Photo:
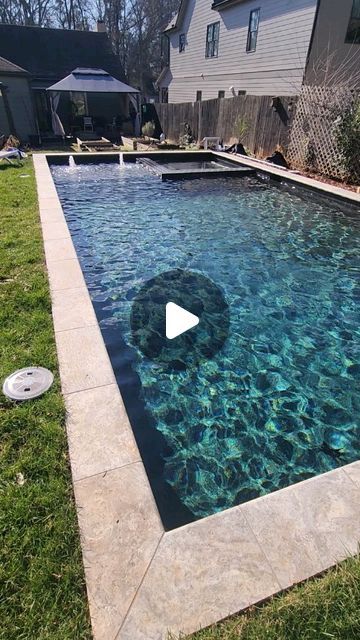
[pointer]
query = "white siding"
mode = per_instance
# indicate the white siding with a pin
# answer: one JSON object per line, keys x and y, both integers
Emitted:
{"x": 276, "y": 67}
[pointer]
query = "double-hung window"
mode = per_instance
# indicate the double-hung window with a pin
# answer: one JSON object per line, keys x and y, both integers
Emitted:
{"x": 353, "y": 30}
{"x": 212, "y": 40}
{"x": 253, "y": 30}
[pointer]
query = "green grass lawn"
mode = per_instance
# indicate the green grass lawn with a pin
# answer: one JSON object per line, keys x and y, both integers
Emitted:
{"x": 42, "y": 591}
{"x": 324, "y": 608}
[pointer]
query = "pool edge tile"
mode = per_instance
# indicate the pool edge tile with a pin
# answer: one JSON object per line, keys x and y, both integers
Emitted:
{"x": 55, "y": 230}
{"x": 202, "y": 572}
{"x": 118, "y": 541}
{"x": 72, "y": 309}
{"x": 353, "y": 472}
{"x": 59, "y": 249}
{"x": 65, "y": 274}
{"x": 83, "y": 359}
{"x": 109, "y": 443}
{"x": 307, "y": 527}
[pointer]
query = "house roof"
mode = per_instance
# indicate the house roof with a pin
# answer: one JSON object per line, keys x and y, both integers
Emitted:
{"x": 91, "y": 81}
{"x": 9, "y": 68}
{"x": 176, "y": 20}
{"x": 173, "y": 22}
{"x": 161, "y": 77}
{"x": 177, "y": 17}
{"x": 53, "y": 53}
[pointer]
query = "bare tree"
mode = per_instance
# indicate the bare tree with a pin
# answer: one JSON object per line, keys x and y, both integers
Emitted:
{"x": 10, "y": 12}
{"x": 72, "y": 14}
{"x": 134, "y": 27}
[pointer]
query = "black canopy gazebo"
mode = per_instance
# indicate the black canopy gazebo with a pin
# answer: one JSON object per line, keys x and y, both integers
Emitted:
{"x": 91, "y": 83}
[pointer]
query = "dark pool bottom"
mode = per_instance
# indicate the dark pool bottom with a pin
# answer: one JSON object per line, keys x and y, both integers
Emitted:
{"x": 280, "y": 402}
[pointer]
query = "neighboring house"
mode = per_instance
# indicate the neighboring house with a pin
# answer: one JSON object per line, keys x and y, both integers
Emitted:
{"x": 34, "y": 58}
{"x": 334, "y": 55}
{"x": 223, "y": 48}
{"x": 16, "y": 108}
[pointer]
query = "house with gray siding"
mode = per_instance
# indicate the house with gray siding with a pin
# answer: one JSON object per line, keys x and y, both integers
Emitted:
{"x": 223, "y": 48}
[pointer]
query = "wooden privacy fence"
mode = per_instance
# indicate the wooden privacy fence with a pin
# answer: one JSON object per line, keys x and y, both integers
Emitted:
{"x": 263, "y": 126}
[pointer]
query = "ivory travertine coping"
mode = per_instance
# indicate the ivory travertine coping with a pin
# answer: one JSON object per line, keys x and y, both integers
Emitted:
{"x": 51, "y": 216}
{"x": 120, "y": 532}
{"x": 141, "y": 581}
{"x": 55, "y": 230}
{"x": 109, "y": 443}
{"x": 353, "y": 471}
{"x": 307, "y": 526}
{"x": 60, "y": 249}
{"x": 65, "y": 274}
{"x": 205, "y": 571}
{"x": 72, "y": 309}
{"x": 83, "y": 359}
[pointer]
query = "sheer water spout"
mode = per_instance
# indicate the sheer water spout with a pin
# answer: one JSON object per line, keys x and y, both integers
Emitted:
{"x": 72, "y": 163}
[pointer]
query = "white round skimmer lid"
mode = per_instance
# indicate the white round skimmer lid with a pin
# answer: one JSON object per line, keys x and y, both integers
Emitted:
{"x": 28, "y": 383}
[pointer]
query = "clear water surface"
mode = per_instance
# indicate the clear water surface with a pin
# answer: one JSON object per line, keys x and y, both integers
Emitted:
{"x": 281, "y": 401}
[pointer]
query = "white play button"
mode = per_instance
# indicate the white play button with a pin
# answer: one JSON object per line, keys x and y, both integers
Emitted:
{"x": 178, "y": 320}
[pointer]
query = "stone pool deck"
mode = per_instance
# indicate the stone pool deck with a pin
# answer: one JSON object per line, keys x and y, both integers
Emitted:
{"x": 142, "y": 581}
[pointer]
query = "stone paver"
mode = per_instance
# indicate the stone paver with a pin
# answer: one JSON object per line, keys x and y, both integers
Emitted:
{"x": 62, "y": 249}
{"x": 201, "y": 573}
{"x": 308, "y": 527}
{"x": 47, "y": 202}
{"x": 72, "y": 309}
{"x": 83, "y": 359}
{"x": 353, "y": 472}
{"x": 55, "y": 230}
{"x": 120, "y": 531}
{"x": 65, "y": 274}
{"x": 55, "y": 214}
{"x": 99, "y": 433}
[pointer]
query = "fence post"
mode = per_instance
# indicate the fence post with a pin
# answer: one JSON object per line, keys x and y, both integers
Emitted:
{"x": 199, "y": 104}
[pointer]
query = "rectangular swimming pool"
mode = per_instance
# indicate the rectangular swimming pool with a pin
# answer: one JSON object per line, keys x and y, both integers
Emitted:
{"x": 280, "y": 402}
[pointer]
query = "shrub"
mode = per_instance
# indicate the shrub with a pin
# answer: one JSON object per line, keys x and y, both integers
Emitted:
{"x": 148, "y": 129}
{"x": 240, "y": 127}
{"x": 348, "y": 140}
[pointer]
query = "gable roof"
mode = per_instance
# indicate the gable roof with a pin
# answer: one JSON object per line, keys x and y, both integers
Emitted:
{"x": 9, "y": 68}
{"x": 176, "y": 20}
{"x": 54, "y": 53}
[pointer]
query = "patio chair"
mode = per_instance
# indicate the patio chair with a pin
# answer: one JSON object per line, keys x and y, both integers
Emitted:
{"x": 8, "y": 154}
{"x": 88, "y": 124}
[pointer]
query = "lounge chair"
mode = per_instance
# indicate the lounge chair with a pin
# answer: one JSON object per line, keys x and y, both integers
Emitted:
{"x": 7, "y": 154}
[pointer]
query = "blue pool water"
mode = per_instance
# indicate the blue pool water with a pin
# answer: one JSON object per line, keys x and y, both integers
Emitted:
{"x": 281, "y": 401}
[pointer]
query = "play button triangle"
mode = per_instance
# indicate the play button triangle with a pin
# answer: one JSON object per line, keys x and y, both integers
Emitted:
{"x": 178, "y": 320}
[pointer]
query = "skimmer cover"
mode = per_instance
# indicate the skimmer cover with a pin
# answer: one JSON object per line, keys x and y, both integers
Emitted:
{"x": 28, "y": 383}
